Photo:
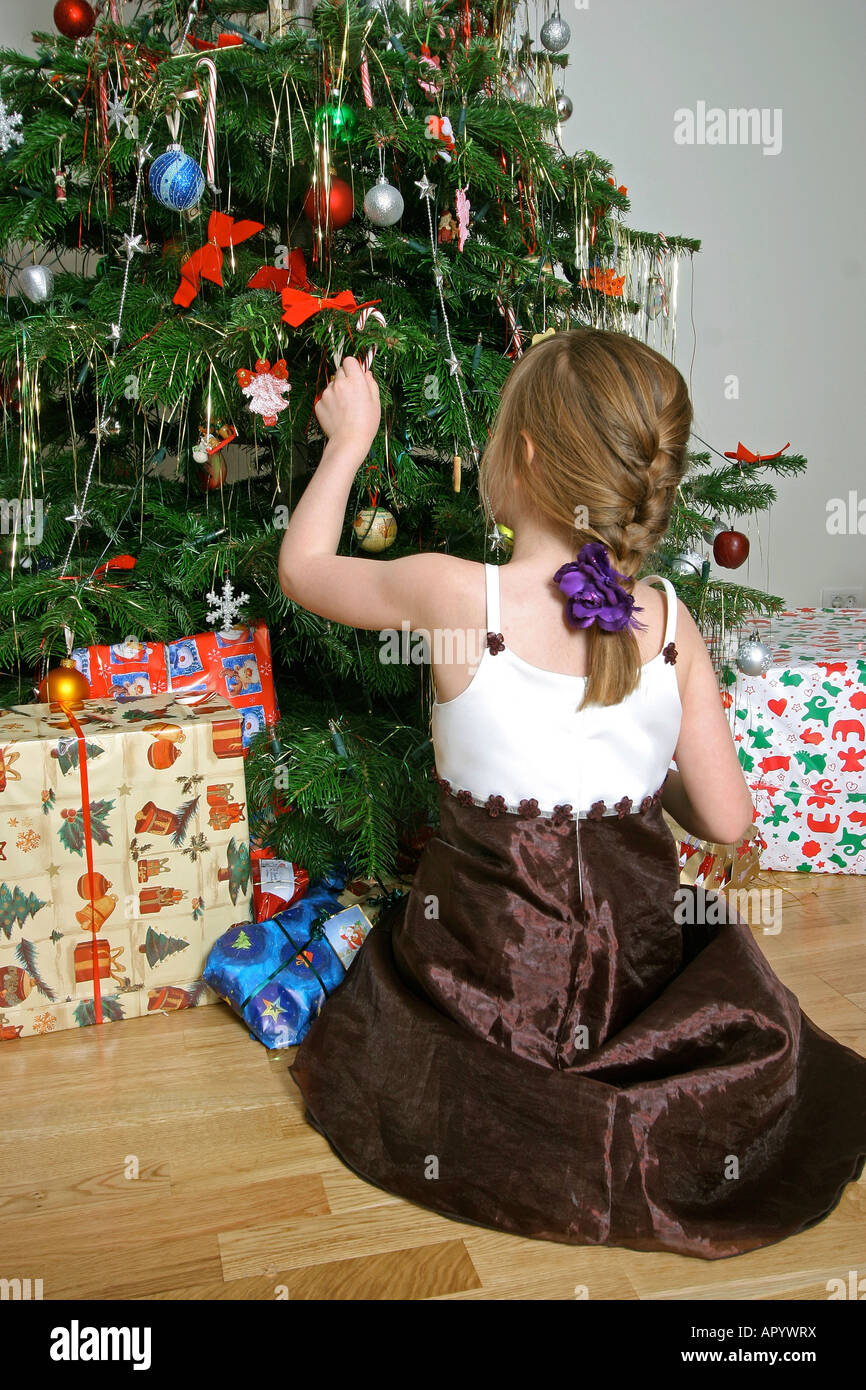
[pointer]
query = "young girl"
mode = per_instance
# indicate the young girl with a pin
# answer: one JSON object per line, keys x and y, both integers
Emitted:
{"x": 548, "y": 1035}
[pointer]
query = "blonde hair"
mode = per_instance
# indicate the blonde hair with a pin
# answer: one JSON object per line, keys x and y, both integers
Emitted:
{"x": 609, "y": 420}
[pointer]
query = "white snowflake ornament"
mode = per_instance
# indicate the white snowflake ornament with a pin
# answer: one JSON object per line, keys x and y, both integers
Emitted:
{"x": 9, "y": 123}
{"x": 265, "y": 388}
{"x": 225, "y": 607}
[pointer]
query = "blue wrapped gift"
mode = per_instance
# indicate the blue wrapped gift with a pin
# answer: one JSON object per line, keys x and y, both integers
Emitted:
{"x": 277, "y": 974}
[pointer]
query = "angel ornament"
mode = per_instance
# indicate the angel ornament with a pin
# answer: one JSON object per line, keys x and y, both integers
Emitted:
{"x": 265, "y": 388}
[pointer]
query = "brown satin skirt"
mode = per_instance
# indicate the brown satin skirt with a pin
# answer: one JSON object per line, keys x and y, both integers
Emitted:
{"x": 580, "y": 1068}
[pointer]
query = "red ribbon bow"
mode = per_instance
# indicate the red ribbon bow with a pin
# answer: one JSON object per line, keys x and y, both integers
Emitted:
{"x": 298, "y": 306}
{"x": 744, "y": 455}
{"x": 206, "y": 262}
{"x": 274, "y": 277}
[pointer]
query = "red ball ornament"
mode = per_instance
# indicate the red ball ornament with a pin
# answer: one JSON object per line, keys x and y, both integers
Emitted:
{"x": 74, "y": 18}
{"x": 730, "y": 549}
{"x": 337, "y": 209}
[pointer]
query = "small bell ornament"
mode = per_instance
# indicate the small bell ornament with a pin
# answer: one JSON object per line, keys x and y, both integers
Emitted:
{"x": 753, "y": 656}
{"x": 564, "y": 105}
{"x": 655, "y": 297}
{"x": 555, "y": 34}
{"x": 383, "y": 203}
{"x": 36, "y": 283}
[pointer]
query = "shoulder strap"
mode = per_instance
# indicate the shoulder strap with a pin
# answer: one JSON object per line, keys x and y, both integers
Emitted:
{"x": 491, "y": 578}
{"x": 671, "y": 604}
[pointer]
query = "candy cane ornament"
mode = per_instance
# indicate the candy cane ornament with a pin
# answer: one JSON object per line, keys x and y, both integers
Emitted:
{"x": 515, "y": 346}
{"x": 365, "y": 314}
{"x": 367, "y": 361}
{"x": 365, "y": 82}
{"x": 210, "y": 123}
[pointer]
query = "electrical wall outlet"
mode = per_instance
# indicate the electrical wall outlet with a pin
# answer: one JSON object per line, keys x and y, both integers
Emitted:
{"x": 849, "y": 596}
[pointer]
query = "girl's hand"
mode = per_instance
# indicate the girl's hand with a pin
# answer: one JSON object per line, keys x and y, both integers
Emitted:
{"x": 349, "y": 409}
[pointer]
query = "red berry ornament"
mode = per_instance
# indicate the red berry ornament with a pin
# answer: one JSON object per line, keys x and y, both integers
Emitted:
{"x": 730, "y": 549}
{"x": 337, "y": 209}
{"x": 74, "y": 18}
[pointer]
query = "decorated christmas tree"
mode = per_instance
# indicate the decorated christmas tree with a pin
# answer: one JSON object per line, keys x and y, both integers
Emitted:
{"x": 201, "y": 209}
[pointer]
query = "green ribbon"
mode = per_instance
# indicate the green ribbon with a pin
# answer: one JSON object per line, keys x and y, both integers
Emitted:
{"x": 317, "y": 933}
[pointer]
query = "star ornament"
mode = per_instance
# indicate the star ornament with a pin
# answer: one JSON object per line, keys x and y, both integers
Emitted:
{"x": 132, "y": 245}
{"x": 117, "y": 113}
{"x": 428, "y": 190}
{"x": 78, "y": 517}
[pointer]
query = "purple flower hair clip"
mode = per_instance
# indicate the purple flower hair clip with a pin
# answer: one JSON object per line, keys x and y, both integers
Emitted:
{"x": 593, "y": 593}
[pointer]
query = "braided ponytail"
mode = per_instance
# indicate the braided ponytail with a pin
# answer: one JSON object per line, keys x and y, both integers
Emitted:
{"x": 609, "y": 419}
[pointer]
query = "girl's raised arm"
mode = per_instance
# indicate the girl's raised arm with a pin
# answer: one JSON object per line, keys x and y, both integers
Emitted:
{"x": 348, "y": 589}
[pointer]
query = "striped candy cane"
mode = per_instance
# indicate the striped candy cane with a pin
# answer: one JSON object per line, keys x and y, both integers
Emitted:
{"x": 365, "y": 82}
{"x": 365, "y": 314}
{"x": 515, "y": 347}
{"x": 210, "y": 122}
{"x": 367, "y": 361}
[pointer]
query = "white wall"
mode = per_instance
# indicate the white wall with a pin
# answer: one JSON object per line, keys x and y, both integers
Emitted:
{"x": 778, "y": 284}
{"x": 20, "y": 18}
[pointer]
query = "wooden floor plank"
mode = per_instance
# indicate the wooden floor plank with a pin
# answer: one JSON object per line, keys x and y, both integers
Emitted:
{"x": 239, "y": 1198}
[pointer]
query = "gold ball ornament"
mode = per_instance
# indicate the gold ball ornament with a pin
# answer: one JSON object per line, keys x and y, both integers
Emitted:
{"x": 64, "y": 685}
{"x": 375, "y": 528}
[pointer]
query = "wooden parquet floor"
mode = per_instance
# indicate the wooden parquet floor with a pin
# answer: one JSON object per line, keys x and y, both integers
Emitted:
{"x": 238, "y": 1198}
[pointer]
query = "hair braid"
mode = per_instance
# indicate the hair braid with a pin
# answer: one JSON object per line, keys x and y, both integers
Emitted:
{"x": 609, "y": 419}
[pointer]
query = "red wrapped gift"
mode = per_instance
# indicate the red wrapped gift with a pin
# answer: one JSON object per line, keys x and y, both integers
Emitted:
{"x": 236, "y": 664}
{"x": 107, "y": 961}
{"x": 277, "y": 884}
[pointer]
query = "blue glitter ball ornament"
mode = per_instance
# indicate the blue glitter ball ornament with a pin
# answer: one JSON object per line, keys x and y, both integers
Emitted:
{"x": 176, "y": 180}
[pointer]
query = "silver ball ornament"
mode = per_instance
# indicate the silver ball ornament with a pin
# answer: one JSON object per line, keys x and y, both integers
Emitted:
{"x": 564, "y": 105}
{"x": 753, "y": 656}
{"x": 555, "y": 34}
{"x": 36, "y": 283}
{"x": 383, "y": 204}
{"x": 711, "y": 529}
{"x": 687, "y": 562}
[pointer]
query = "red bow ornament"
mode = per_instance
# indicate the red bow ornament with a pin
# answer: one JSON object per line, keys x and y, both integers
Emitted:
{"x": 744, "y": 455}
{"x": 206, "y": 262}
{"x": 274, "y": 277}
{"x": 298, "y": 306}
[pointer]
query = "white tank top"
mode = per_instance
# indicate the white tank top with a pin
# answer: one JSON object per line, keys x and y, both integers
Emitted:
{"x": 515, "y": 732}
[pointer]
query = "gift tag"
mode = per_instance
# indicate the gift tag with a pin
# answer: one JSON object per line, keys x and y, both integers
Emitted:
{"x": 277, "y": 876}
{"x": 346, "y": 932}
